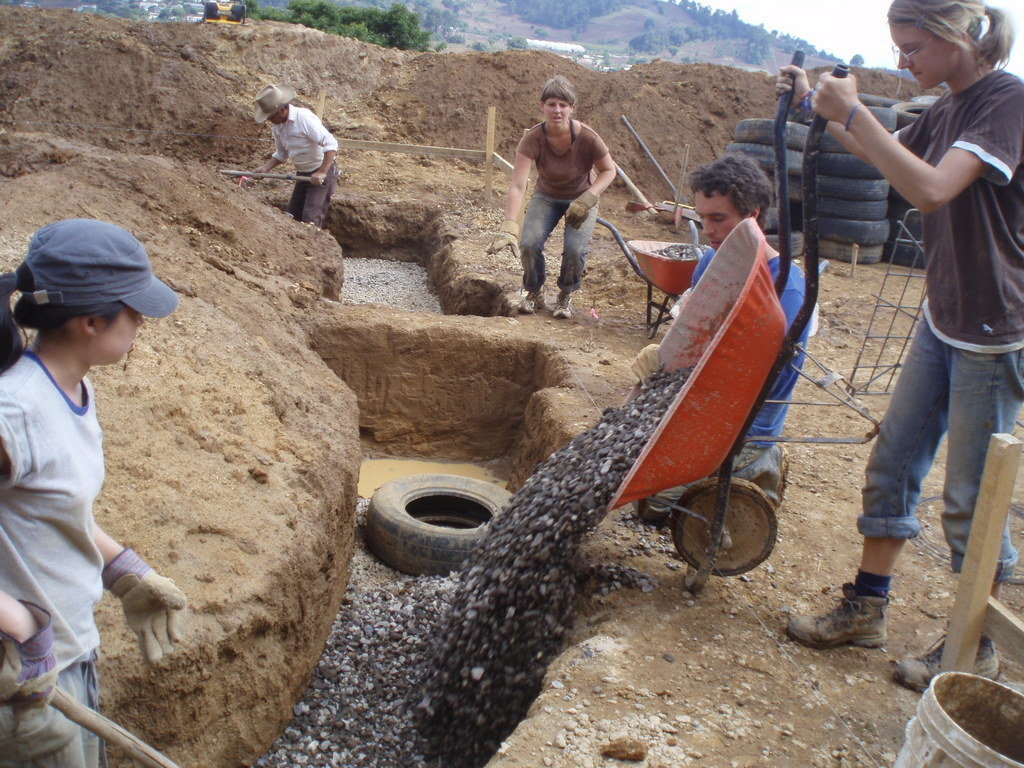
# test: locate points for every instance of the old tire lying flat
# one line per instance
(764, 155)
(863, 210)
(853, 230)
(428, 524)
(761, 130)
(835, 251)
(852, 189)
(846, 165)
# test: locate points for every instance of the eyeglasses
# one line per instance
(899, 55)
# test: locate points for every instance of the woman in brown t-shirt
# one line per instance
(573, 169)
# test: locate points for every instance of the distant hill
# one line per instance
(616, 33)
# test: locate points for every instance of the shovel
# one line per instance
(109, 731)
(253, 175)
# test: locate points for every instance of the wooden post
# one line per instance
(489, 152)
(680, 195)
(854, 252)
(321, 99)
(979, 568)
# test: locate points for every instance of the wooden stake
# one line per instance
(979, 568)
(680, 194)
(488, 153)
(321, 100)
(854, 251)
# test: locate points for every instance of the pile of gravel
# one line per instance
(396, 284)
(676, 252)
(513, 607)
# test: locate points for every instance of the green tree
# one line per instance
(517, 43)
(857, 60)
(397, 27)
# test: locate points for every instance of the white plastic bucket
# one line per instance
(965, 720)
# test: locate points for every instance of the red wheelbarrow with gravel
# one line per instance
(666, 266)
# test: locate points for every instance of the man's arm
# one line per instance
(319, 176)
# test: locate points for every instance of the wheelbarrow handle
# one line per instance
(110, 731)
(625, 248)
(782, 179)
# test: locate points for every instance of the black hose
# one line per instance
(782, 180)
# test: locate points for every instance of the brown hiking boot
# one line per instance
(563, 308)
(532, 302)
(856, 620)
(916, 672)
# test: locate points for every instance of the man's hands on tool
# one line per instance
(28, 670)
(579, 209)
(507, 237)
(646, 363)
(318, 178)
(153, 606)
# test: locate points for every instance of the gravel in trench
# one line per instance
(436, 671)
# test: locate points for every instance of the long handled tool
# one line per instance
(253, 175)
(671, 186)
(110, 731)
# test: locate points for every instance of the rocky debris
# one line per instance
(394, 283)
(514, 605)
(679, 252)
(629, 749)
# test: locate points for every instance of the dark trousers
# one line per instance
(310, 202)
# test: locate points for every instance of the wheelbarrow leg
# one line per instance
(662, 307)
(696, 578)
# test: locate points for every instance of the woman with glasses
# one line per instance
(960, 164)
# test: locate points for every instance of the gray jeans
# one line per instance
(41, 737)
(542, 214)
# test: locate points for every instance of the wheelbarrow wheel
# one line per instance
(751, 526)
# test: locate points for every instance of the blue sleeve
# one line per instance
(702, 265)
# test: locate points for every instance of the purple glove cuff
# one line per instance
(37, 652)
(126, 562)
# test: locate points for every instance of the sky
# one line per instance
(848, 27)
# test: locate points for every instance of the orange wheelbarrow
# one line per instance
(670, 276)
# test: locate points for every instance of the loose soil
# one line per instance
(233, 430)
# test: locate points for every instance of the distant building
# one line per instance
(570, 49)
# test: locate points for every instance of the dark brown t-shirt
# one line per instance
(563, 176)
(975, 242)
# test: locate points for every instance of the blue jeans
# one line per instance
(941, 389)
(542, 214)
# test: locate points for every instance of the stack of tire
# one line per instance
(853, 197)
(897, 248)
(754, 137)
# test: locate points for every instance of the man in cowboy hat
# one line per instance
(300, 136)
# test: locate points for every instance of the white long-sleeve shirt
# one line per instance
(303, 139)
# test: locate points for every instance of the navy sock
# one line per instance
(871, 584)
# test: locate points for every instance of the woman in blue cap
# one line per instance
(85, 288)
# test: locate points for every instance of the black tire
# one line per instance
(884, 115)
(758, 130)
(853, 230)
(907, 112)
(796, 135)
(210, 11)
(238, 12)
(838, 164)
(863, 210)
(796, 240)
(428, 524)
(852, 189)
(765, 155)
(866, 254)
(876, 101)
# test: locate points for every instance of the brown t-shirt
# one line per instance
(563, 176)
(975, 242)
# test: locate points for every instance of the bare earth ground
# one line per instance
(233, 449)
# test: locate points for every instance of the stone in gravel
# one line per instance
(626, 748)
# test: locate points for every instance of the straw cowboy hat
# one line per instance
(271, 99)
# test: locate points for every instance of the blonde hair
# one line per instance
(558, 87)
(953, 20)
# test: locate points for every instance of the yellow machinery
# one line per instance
(224, 12)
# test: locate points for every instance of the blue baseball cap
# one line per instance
(79, 262)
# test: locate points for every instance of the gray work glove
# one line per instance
(579, 209)
(507, 237)
(646, 363)
(153, 606)
(28, 670)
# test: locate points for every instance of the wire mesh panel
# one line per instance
(895, 315)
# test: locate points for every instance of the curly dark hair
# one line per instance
(738, 177)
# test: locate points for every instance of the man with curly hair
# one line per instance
(726, 192)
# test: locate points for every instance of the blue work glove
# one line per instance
(153, 606)
(28, 670)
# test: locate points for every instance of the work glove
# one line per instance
(579, 209)
(646, 363)
(152, 604)
(507, 237)
(28, 671)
